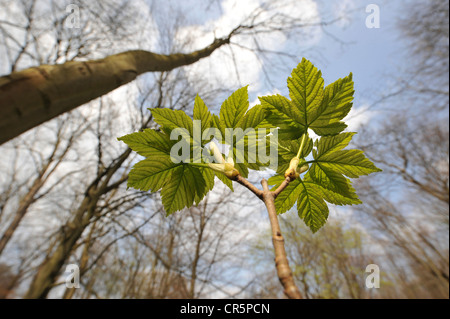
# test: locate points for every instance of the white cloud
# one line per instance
(223, 67)
(358, 117)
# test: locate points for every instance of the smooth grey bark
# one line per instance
(35, 95)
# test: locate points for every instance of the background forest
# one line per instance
(63, 195)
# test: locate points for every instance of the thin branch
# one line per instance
(281, 262)
(281, 187)
(241, 180)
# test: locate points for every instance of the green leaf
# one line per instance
(242, 168)
(233, 109)
(325, 127)
(182, 184)
(276, 181)
(172, 119)
(332, 181)
(306, 90)
(151, 173)
(329, 178)
(335, 105)
(216, 123)
(148, 142)
(287, 198)
(310, 200)
(311, 206)
(324, 181)
(311, 106)
(246, 141)
(287, 128)
(253, 118)
(202, 113)
(186, 186)
(332, 143)
(338, 199)
(351, 163)
(208, 175)
(225, 180)
(287, 149)
(284, 108)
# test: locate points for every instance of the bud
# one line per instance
(291, 172)
(294, 169)
(216, 152)
(302, 168)
(226, 168)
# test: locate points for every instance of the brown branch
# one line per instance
(250, 186)
(38, 94)
(281, 262)
(282, 187)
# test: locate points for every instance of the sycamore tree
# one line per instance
(301, 138)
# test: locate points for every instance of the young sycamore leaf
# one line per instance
(181, 183)
(184, 183)
(233, 109)
(172, 119)
(329, 155)
(311, 105)
(319, 171)
(324, 181)
(326, 177)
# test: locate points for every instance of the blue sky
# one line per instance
(372, 55)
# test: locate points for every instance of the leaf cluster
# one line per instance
(310, 107)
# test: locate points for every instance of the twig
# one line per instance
(250, 186)
(281, 187)
(281, 262)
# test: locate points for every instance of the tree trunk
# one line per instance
(69, 292)
(51, 267)
(20, 213)
(35, 95)
(72, 231)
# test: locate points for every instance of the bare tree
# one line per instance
(35, 95)
(181, 256)
(7, 280)
(426, 30)
(60, 146)
(410, 210)
(406, 206)
(74, 203)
